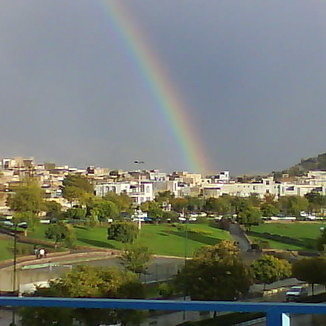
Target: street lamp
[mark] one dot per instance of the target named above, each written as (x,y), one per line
(139,191)
(24,226)
(186,254)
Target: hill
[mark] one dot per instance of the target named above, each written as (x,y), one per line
(312,163)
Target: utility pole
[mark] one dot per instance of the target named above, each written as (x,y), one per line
(139,191)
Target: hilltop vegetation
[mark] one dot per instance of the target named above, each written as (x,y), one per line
(312,163)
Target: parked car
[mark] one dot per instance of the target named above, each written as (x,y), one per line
(296,293)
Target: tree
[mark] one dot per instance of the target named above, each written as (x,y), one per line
(78,181)
(195,204)
(269,210)
(27,197)
(254,200)
(76,188)
(61,232)
(164,197)
(125,232)
(179,204)
(321,241)
(293,205)
(135,258)
(122,201)
(220,206)
(239,204)
(153,209)
(170,216)
(316,201)
(225,251)
(269,198)
(76,213)
(268,269)
(215,273)
(53,209)
(87,282)
(249,216)
(310,270)
(28,217)
(149,205)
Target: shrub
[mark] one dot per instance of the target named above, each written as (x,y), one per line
(125,232)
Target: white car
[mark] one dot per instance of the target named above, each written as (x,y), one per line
(296,293)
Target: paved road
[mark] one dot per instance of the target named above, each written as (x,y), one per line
(239,236)
(298,319)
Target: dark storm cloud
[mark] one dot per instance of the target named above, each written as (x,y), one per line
(252,73)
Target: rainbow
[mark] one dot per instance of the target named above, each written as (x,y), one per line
(169,102)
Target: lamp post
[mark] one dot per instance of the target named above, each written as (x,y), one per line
(186,253)
(15,259)
(13,323)
(24,226)
(139,191)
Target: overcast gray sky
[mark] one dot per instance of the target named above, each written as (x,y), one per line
(253,73)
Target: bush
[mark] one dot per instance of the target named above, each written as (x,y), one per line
(165,290)
(181,227)
(200,231)
(277,237)
(125,232)
(262,244)
(22,249)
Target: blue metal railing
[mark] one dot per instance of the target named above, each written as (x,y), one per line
(276,313)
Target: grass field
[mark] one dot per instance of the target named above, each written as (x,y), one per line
(6,248)
(304,234)
(162,239)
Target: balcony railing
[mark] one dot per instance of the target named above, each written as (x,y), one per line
(277,314)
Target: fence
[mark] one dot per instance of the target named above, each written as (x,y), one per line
(277,314)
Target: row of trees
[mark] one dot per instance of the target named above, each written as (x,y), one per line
(28,197)
(27,202)
(95,282)
(88,282)
(228,205)
(218,273)
(247,211)
(215,273)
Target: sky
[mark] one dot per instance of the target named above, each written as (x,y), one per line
(250,74)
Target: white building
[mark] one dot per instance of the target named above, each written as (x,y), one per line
(140,191)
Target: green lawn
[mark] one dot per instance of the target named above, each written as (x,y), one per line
(304,234)
(168,240)
(162,239)
(6,248)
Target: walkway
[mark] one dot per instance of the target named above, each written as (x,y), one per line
(240,237)
(69,256)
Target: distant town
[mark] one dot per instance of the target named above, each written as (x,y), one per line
(147,234)
(143,185)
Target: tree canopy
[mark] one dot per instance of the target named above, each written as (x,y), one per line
(268,269)
(87,282)
(215,273)
(135,258)
(76,188)
(61,232)
(310,270)
(125,232)
(27,197)
(292,205)
(249,216)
